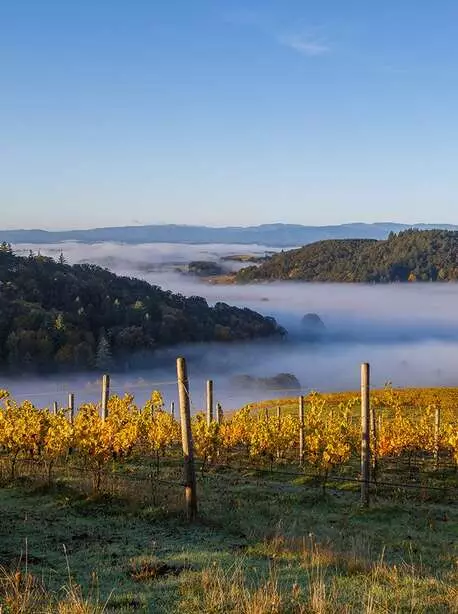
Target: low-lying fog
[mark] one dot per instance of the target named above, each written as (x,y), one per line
(409,333)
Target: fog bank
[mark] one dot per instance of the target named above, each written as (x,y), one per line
(409,333)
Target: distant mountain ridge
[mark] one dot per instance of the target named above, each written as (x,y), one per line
(271,235)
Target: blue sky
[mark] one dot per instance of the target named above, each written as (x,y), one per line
(222,112)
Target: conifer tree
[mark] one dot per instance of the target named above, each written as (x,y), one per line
(103,358)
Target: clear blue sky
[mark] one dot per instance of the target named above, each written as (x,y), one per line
(222,112)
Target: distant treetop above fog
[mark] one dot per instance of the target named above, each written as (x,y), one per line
(57,316)
(412,255)
(313,326)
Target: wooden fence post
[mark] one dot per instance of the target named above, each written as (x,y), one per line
(54,408)
(71,413)
(209,402)
(186,435)
(437,428)
(374,441)
(71,407)
(105,396)
(301,430)
(365,434)
(172,409)
(219,413)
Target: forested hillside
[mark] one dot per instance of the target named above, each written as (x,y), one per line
(56,316)
(411,255)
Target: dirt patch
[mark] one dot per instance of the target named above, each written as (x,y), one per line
(132,604)
(145,572)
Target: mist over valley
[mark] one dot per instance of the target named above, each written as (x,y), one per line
(408,332)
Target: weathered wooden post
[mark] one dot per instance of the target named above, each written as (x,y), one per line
(301,430)
(172,409)
(278,427)
(71,407)
(374,441)
(437,428)
(365,434)
(219,413)
(209,402)
(105,395)
(71,413)
(54,408)
(186,435)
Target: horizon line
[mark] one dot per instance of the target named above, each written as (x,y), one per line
(226,227)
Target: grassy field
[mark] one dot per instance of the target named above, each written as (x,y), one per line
(258,547)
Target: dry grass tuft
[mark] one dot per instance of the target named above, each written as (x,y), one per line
(217,591)
(23,593)
(20,592)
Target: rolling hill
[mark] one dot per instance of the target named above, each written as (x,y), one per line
(54,316)
(412,255)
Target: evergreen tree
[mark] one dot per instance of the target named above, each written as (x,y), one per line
(103,358)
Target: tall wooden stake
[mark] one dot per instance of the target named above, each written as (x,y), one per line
(186,435)
(71,407)
(105,396)
(374,442)
(71,413)
(437,428)
(301,430)
(54,408)
(172,409)
(365,434)
(219,413)
(209,402)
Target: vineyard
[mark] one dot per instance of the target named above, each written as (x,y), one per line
(414,441)
(94,492)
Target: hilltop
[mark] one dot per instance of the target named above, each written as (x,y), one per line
(273,235)
(412,255)
(56,316)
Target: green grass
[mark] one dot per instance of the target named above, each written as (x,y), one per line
(258,547)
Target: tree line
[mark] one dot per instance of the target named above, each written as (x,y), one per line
(411,255)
